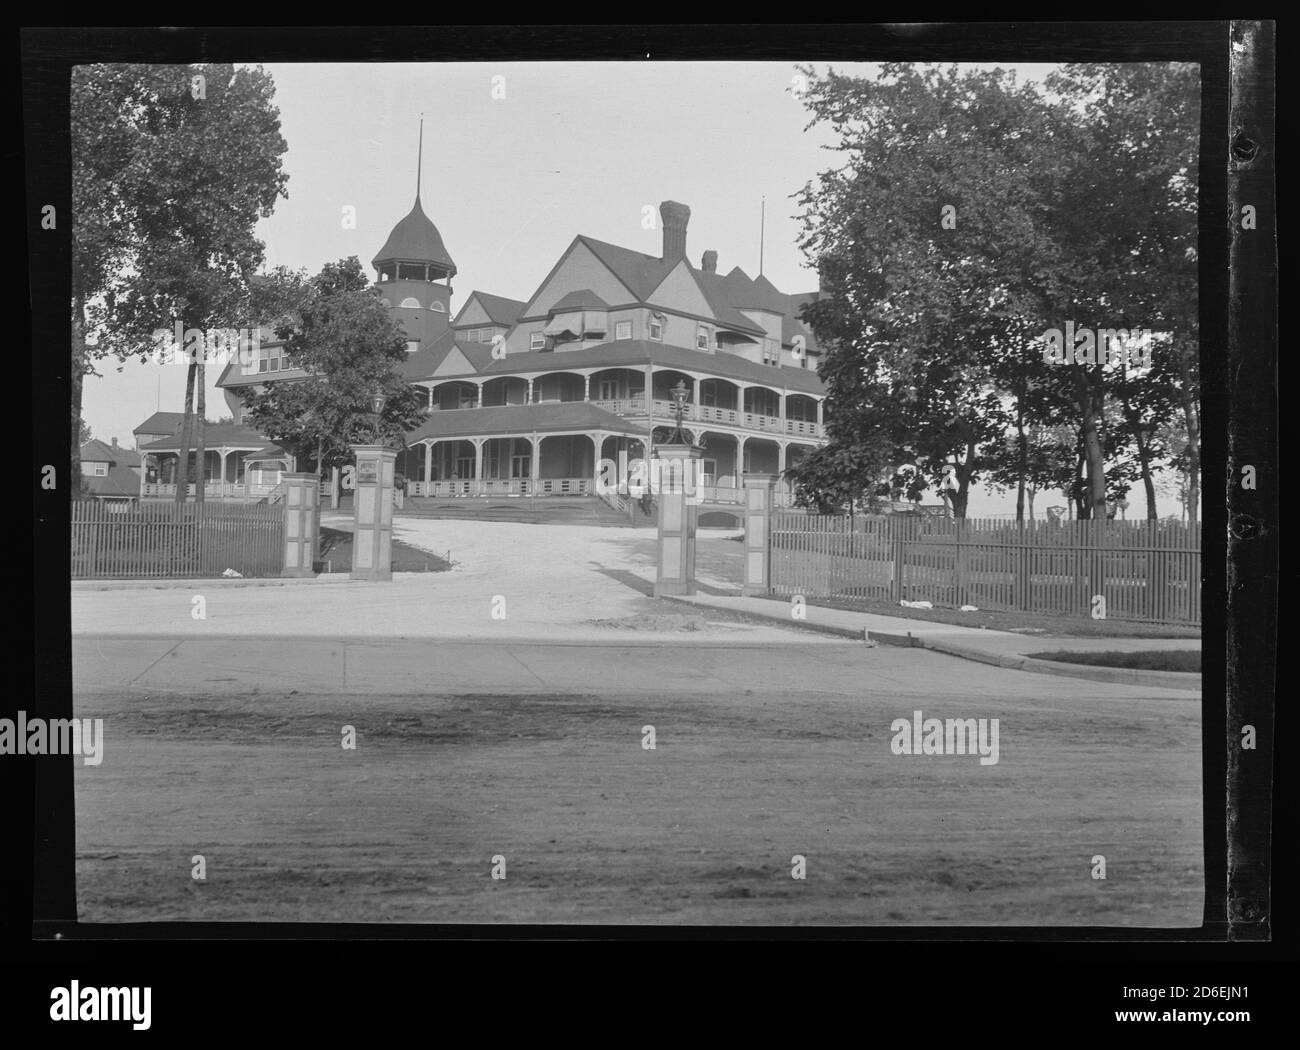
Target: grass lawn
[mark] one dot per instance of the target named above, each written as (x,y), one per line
(1149,660)
(336,550)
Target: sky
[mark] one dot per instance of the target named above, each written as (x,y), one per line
(509,181)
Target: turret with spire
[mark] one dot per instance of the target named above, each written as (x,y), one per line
(411,264)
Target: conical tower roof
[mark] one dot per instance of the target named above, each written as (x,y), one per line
(416,239)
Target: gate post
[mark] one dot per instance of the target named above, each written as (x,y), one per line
(758,533)
(679,510)
(372,503)
(301,492)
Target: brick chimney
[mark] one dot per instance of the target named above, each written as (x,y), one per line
(675,217)
(115,442)
(710,262)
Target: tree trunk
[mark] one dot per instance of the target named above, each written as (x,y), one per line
(201,427)
(77,375)
(1023,466)
(1148,483)
(1193,417)
(187,428)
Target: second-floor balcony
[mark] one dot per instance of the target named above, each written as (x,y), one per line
(667,410)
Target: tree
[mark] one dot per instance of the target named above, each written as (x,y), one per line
(347,342)
(172,168)
(972,216)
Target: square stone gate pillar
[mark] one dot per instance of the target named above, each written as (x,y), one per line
(372,501)
(679,510)
(301,495)
(758,533)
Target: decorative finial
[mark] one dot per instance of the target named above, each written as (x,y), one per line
(419,160)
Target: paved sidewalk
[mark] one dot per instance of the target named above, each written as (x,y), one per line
(1002,648)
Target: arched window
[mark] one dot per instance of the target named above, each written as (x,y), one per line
(385,302)
(438,306)
(411,303)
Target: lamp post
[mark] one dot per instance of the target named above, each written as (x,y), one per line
(377,403)
(679,406)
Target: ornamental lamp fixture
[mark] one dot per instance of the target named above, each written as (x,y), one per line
(679,405)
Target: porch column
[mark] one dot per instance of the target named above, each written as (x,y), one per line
(478,396)
(528,397)
(781,484)
(430,398)
(586,396)
(223,453)
(428,468)
(740,462)
(534,464)
(780,401)
(819,416)
(649,393)
(479,486)
(597,439)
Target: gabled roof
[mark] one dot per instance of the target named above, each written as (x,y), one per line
(215,435)
(120,481)
(499,309)
(519,419)
(161,423)
(415,239)
(582,299)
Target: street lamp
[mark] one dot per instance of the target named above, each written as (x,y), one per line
(377,403)
(679,405)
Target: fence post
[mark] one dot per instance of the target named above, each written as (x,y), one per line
(898,530)
(372,535)
(679,510)
(758,533)
(300,500)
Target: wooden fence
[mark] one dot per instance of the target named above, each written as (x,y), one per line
(162,539)
(1148,571)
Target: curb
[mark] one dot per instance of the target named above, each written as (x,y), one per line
(1182,680)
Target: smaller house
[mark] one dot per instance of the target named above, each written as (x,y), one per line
(112,474)
(159,425)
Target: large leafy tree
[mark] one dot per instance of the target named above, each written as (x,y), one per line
(347,342)
(971,215)
(172,168)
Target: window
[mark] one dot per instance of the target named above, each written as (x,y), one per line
(438,307)
(771,352)
(702,337)
(412,345)
(485,335)
(273,364)
(101,470)
(536,341)
(656,330)
(262,364)
(623,330)
(410,303)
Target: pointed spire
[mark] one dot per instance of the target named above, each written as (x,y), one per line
(419,160)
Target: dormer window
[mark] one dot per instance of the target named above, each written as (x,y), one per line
(101,470)
(412,345)
(410,303)
(537,341)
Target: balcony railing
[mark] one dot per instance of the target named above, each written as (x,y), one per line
(479,487)
(667,410)
(219,490)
